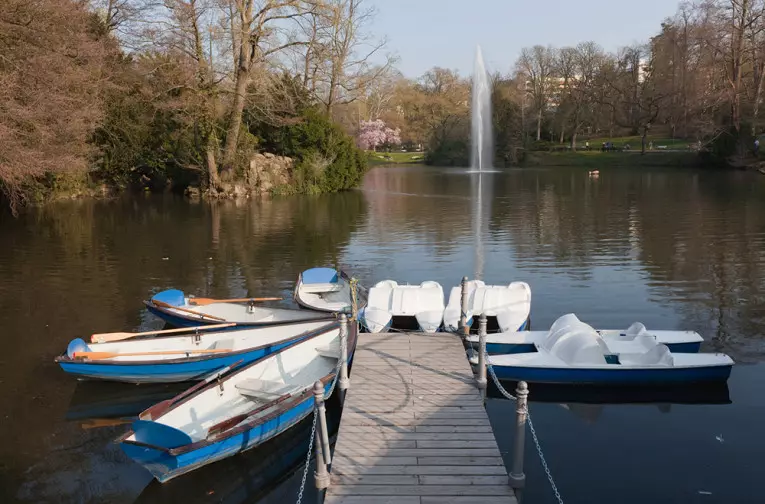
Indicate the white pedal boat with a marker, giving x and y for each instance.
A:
(525, 341)
(388, 300)
(574, 353)
(509, 305)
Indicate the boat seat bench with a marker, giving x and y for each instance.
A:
(263, 389)
(332, 352)
(320, 288)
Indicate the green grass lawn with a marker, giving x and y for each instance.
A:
(634, 142)
(376, 158)
(595, 159)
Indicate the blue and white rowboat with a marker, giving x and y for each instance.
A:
(324, 290)
(182, 358)
(234, 412)
(574, 353)
(178, 310)
(616, 340)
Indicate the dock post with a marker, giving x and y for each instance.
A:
(482, 353)
(322, 438)
(344, 382)
(464, 307)
(517, 478)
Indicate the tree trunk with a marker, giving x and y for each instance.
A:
(539, 125)
(573, 140)
(643, 141)
(235, 119)
(562, 135)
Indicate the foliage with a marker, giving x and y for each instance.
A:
(327, 159)
(51, 83)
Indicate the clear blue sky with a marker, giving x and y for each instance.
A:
(428, 33)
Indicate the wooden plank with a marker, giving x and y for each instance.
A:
(454, 499)
(381, 450)
(453, 428)
(460, 461)
(440, 443)
(371, 499)
(450, 490)
(377, 479)
(343, 459)
(496, 470)
(463, 480)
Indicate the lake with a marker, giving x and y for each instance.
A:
(673, 249)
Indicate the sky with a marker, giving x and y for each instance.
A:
(444, 33)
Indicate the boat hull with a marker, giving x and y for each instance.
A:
(164, 465)
(166, 372)
(616, 376)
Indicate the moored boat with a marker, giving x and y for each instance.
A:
(324, 290)
(180, 358)
(616, 340)
(179, 310)
(574, 353)
(236, 411)
(390, 304)
(507, 307)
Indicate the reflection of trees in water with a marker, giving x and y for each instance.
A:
(705, 242)
(699, 237)
(75, 268)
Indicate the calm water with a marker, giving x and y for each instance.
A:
(672, 249)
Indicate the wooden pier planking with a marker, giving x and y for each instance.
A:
(414, 429)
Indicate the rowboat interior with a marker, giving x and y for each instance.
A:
(261, 386)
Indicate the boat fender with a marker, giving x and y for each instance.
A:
(75, 346)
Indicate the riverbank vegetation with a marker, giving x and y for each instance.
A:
(110, 94)
(162, 95)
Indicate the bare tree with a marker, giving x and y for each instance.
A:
(537, 65)
(261, 29)
(349, 52)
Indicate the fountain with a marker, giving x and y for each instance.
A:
(482, 152)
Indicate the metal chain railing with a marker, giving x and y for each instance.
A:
(327, 395)
(533, 431)
(308, 459)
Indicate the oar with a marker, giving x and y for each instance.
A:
(168, 305)
(95, 423)
(207, 301)
(233, 421)
(118, 336)
(109, 355)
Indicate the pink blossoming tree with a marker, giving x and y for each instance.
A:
(373, 134)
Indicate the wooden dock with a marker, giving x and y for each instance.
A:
(414, 429)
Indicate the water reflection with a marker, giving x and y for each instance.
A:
(671, 249)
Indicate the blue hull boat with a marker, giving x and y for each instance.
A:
(572, 352)
(179, 310)
(169, 359)
(236, 411)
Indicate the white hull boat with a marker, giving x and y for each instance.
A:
(388, 299)
(236, 410)
(509, 304)
(617, 340)
(324, 290)
(574, 353)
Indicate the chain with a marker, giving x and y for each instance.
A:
(542, 457)
(308, 458)
(534, 437)
(354, 299)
